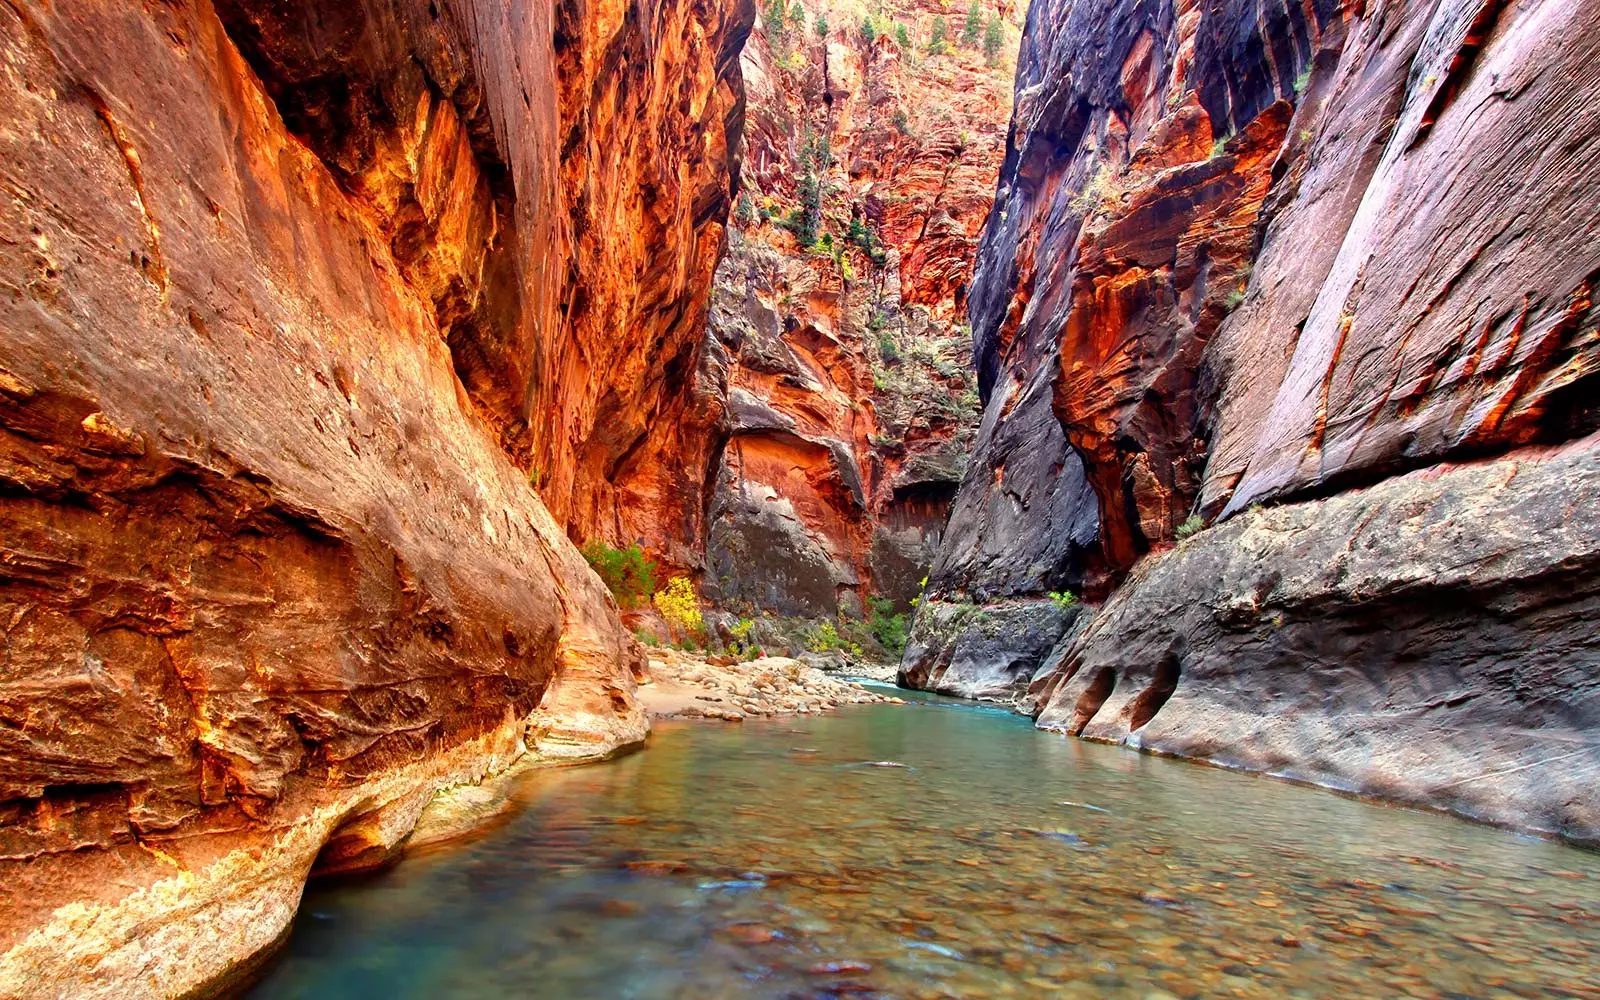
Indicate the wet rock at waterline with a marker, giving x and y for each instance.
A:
(1242, 255)
(988, 651)
(1430, 639)
(300, 304)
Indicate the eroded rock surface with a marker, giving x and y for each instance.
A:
(1248, 253)
(288, 311)
(836, 373)
(989, 651)
(1429, 639)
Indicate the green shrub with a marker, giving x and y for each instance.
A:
(647, 637)
(629, 576)
(1062, 599)
(741, 645)
(1190, 527)
(888, 350)
(806, 219)
(938, 38)
(886, 626)
(822, 26)
(823, 638)
(902, 37)
(1094, 192)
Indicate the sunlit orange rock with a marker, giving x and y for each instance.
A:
(838, 370)
(304, 304)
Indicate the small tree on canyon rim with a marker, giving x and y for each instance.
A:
(822, 26)
(992, 40)
(775, 24)
(938, 38)
(773, 15)
(972, 27)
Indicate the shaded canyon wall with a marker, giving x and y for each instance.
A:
(1319, 276)
(300, 303)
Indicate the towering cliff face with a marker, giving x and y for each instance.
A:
(1249, 254)
(292, 297)
(835, 389)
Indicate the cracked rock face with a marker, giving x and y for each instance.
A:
(835, 389)
(287, 316)
(1247, 253)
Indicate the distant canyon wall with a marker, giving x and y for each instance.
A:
(304, 307)
(833, 405)
(1335, 260)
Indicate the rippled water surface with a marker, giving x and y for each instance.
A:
(781, 858)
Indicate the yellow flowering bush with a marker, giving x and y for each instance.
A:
(679, 606)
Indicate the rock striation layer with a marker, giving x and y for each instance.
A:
(1337, 258)
(291, 327)
(833, 405)
(1428, 639)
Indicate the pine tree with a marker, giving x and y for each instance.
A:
(936, 40)
(992, 40)
(822, 26)
(973, 26)
(902, 36)
(772, 18)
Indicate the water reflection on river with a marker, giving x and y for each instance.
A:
(781, 859)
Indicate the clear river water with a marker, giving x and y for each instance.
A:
(941, 849)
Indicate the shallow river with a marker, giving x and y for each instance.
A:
(784, 859)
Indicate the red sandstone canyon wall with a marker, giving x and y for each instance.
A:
(308, 310)
(837, 367)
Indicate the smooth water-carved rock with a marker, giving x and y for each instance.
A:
(1428, 639)
(1261, 253)
(990, 651)
(287, 309)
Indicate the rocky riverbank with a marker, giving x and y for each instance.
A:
(683, 686)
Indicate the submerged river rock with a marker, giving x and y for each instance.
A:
(944, 851)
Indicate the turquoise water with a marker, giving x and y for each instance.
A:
(941, 850)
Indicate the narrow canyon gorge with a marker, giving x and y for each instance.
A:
(1215, 378)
